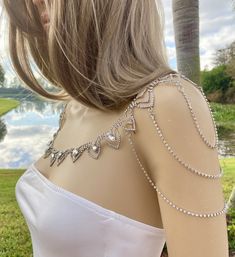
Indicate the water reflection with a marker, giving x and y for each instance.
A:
(3, 130)
(26, 130)
(29, 128)
(227, 145)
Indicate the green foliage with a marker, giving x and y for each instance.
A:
(224, 116)
(231, 228)
(228, 179)
(228, 182)
(216, 79)
(230, 69)
(2, 75)
(7, 104)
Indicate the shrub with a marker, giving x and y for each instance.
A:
(216, 79)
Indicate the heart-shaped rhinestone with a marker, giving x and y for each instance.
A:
(52, 159)
(94, 150)
(61, 156)
(113, 138)
(75, 154)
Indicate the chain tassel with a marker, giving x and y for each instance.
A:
(144, 99)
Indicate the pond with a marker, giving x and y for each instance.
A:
(26, 130)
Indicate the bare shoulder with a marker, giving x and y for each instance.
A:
(178, 107)
(177, 140)
(185, 108)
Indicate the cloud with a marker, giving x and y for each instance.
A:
(217, 26)
(23, 144)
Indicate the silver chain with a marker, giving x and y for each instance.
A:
(173, 153)
(178, 208)
(182, 91)
(112, 136)
(180, 88)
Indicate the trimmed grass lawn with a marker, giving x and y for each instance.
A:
(7, 104)
(224, 117)
(15, 239)
(228, 180)
(14, 234)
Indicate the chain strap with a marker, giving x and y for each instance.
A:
(174, 205)
(145, 99)
(111, 137)
(182, 91)
(174, 154)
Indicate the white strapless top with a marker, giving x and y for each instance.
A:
(63, 224)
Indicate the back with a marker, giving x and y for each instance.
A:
(110, 178)
(93, 160)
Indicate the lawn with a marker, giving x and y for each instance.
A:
(7, 104)
(224, 117)
(15, 239)
(14, 234)
(228, 180)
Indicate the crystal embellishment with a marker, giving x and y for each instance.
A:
(76, 153)
(61, 157)
(130, 125)
(145, 98)
(113, 138)
(53, 159)
(94, 150)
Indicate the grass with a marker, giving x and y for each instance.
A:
(15, 238)
(228, 180)
(224, 115)
(7, 104)
(14, 235)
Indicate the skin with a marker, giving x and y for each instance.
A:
(116, 173)
(44, 15)
(185, 235)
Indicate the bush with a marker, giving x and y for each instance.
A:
(231, 229)
(216, 79)
(230, 94)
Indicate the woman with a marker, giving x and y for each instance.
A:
(134, 163)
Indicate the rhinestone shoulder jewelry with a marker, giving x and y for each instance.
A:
(144, 99)
(166, 199)
(111, 138)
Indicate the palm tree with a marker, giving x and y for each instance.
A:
(186, 30)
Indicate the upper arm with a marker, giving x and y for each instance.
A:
(173, 149)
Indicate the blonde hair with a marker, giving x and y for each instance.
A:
(99, 52)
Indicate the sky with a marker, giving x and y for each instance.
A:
(217, 26)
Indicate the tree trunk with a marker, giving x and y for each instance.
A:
(186, 30)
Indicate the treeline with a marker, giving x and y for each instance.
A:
(16, 92)
(219, 83)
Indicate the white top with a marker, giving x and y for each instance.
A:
(63, 224)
